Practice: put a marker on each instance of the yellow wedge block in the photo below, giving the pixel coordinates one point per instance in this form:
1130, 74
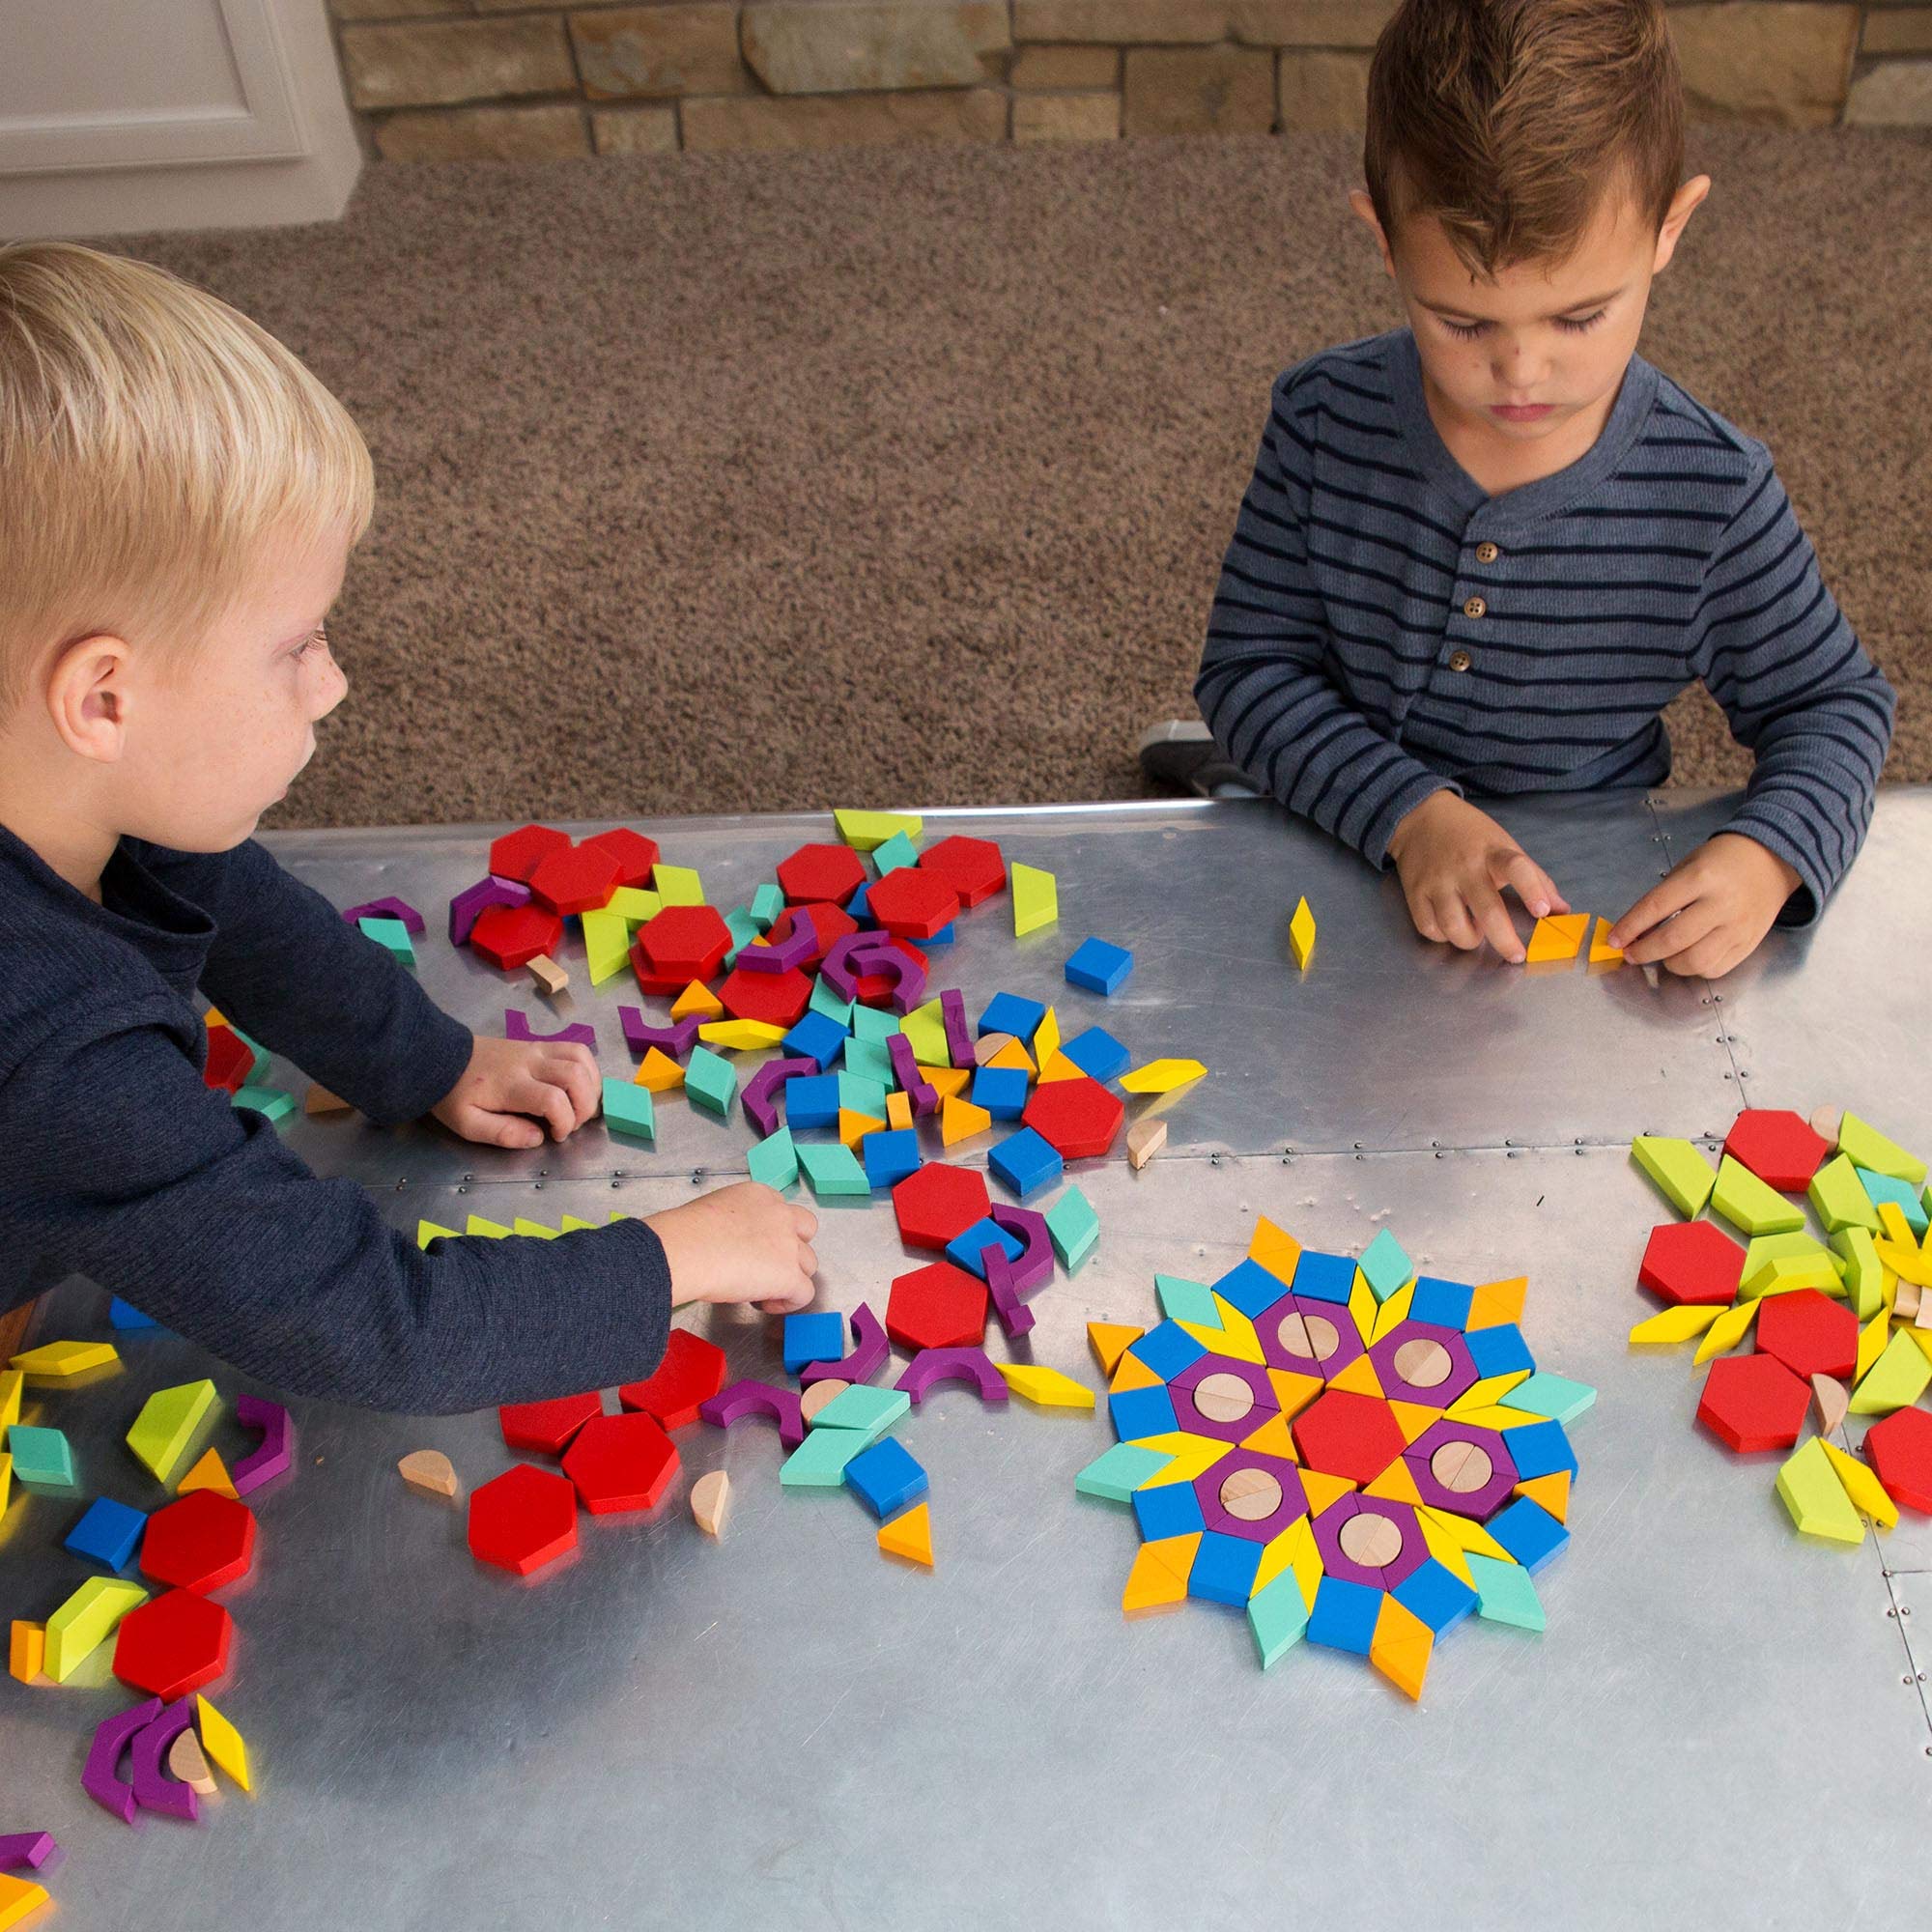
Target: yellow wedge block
1047, 1387
1193, 1457
1294, 1549
62, 1361
1470, 1535
1864, 1488
1301, 935
741, 1035
1726, 1331
1046, 1038
13, 1383
1394, 1311
1872, 1338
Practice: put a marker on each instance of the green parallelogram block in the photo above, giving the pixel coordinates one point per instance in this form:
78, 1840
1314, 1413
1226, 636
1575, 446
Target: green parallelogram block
634, 905
1036, 898
677, 885
1750, 1203
1277, 1617
1074, 1228
1864, 1272
1870, 1148
832, 1168
774, 1161
1505, 1593
86, 1621
925, 1027
1121, 1471
1839, 1197
864, 1409
711, 1080
167, 1424
1809, 1489
1679, 1169
629, 1110
867, 830
606, 945
1895, 1381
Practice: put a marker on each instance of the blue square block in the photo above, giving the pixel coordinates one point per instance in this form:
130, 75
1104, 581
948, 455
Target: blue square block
1138, 1413
1446, 1304
1345, 1615
1501, 1350
818, 1337
1224, 1569
1100, 966
1008, 1013
1097, 1054
811, 1101
966, 1247
1168, 1509
1528, 1533
891, 1154
108, 1532
1026, 1162
1324, 1277
124, 1315
885, 1477
1167, 1348
1436, 1595
1251, 1288
1001, 1090
1539, 1449
816, 1037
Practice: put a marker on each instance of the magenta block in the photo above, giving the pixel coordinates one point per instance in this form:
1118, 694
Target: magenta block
1015, 1317
517, 1026
26, 1851
471, 904
758, 1098
1034, 1264
751, 1398
391, 908
103, 1755
932, 1366
640, 1035
277, 1447
155, 1789
868, 1358
958, 1034
787, 954
920, 1090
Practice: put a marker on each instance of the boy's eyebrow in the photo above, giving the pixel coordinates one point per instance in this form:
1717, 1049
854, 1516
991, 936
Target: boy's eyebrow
1569, 308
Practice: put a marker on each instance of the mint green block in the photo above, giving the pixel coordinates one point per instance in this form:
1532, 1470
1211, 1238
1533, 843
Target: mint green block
893, 853
392, 936
272, 1102
1385, 1266
864, 1409
833, 1169
629, 1110
1277, 1617
869, 1023
1554, 1395
767, 902
711, 1080
1183, 1300
825, 1000
1121, 1471
742, 928
871, 1060
818, 1463
1074, 1229
860, 1092
1505, 1593
41, 1455
774, 1160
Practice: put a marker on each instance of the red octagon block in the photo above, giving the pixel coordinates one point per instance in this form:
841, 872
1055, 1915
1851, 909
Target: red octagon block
1692, 1261
1778, 1146
776, 997
620, 1463
175, 1645
972, 867
1342, 1434
829, 922
523, 1520
230, 1060
201, 1543
1753, 1401
578, 879
679, 944
636, 855
938, 1306
939, 1202
547, 1427
1078, 1119
832, 872
512, 936
1810, 1334
692, 1372
910, 903
517, 854
1900, 1450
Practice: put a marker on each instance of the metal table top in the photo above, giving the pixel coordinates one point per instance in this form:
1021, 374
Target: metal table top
1720, 1721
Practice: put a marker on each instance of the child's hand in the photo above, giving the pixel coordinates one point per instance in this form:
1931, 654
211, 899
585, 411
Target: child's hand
512, 1085
744, 1242
1712, 910
1453, 863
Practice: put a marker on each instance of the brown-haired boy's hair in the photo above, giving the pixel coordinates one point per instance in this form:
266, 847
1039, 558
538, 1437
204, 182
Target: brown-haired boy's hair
1508, 120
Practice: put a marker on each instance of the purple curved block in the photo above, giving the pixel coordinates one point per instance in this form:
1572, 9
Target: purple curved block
744, 1398
868, 1358
391, 908
932, 1366
836, 970
789, 952
26, 1851
1015, 1317
876, 954
760, 1107
517, 1026
110, 1740
277, 1448
920, 1090
1034, 1264
640, 1035
958, 1034
155, 1789
471, 904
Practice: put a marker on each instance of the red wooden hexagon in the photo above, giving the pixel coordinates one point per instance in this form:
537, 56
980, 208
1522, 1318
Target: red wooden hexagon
635, 854
548, 1426
1778, 1146
1079, 1119
832, 872
974, 867
512, 936
515, 854
1809, 1333
1900, 1450
1692, 1261
776, 997
938, 1201
523, 1520
620, 1463
679, 944
692, 1372
938, 1306
175, 1645
581, 878
201, 1543
829, 922
1346, 1434
912, 904
230, 1060
1753, 1403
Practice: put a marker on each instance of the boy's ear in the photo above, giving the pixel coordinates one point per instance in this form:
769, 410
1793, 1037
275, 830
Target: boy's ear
1363, 203
87, 697
1684, 204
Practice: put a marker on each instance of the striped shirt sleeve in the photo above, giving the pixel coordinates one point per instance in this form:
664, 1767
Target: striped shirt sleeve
1265, 685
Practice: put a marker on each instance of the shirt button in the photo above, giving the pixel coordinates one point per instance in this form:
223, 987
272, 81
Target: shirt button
1460, 660
1487, 552
1476, 606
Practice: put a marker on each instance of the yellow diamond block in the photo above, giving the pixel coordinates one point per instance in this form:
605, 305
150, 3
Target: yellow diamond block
1161, 1076
60, 1362
1301, 934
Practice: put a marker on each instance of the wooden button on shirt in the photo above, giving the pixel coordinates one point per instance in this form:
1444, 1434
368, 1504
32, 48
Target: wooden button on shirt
1475, 607
1487, 552
1460, 660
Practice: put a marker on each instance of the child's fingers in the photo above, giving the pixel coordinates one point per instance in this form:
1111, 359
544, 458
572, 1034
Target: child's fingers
1671, 894
504, 1130
576, 1072
548, 1102
1421, 916
1493, 920
1452, 917
1534, 886
1671, 941
808, 1260
805, 1223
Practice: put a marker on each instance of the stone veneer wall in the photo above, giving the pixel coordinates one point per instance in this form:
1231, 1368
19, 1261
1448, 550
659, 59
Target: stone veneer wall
518, 79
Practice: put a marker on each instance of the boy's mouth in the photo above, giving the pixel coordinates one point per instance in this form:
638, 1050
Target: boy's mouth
1521, 411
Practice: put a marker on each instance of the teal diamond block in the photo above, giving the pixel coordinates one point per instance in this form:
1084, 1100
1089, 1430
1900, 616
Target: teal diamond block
859, 1093
742, 928
41, 1455
1554, 1395
825, 1000
629, 1110
869, 1061
774, 1161
833, 1169
767, 902
869, 1023
1385, 1266
1278, 1617
1121, 1471
711, 1080
1505, 1593
1183, 1300
818, 1463
1074, 1228
891, 853
273, 1103
392, 936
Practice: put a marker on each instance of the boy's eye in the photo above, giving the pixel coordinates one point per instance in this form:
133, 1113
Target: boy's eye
317, 640
1576, 324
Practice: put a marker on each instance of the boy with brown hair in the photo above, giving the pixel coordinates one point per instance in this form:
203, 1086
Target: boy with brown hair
1483, 552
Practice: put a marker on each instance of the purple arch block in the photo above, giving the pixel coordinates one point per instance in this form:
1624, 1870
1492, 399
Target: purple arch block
790, 953
751, 1398
762, 1107
640, 1035
1015, 1317
932, 1366
154, 1789
26, 1851
835, 968
1033, 1266
868, 1358
517, 1026
391, 908
277, 1448
881, 956
958, 1034
110, 1740
920, 1090
471, 904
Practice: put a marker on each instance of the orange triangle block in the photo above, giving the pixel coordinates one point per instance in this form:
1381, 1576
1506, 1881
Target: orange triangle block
1293, 1391
1272, 1439
1400, 1647
960, 1120
854, 1127
659, 1072
909, 1536
1498, 1302
1013, 1053
1059, 1067
1132, 1373
1395, 1483
1359, 1378
1153, 1586
1552, 1492
1413, 1418
1109, 1342
1322, 1489
946, 1081
1558, 937
697, 998
210, 1473
1175, 1554
1275, 1249
1602, 951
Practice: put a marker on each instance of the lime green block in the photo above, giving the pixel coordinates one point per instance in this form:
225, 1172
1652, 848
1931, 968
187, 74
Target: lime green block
490, 1230
1784, 1274
1864, 1272
678, 884
534, 1229
1748, 1203
167, 1424
428, 1232
634, 905
866, 831
925, 1027
1678, 1168
606, 945
833, 1169
86, 1621
1839, 1197
1277, 1617
1869, 1149
1895, 1381
774, 1161
1504, 1592
818, 1463
1813, 1493
40, 1456
1036, 898
711, 1080
767, 902
893, 854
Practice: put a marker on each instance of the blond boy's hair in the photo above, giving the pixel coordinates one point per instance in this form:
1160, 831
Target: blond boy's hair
153, 445
1508, 121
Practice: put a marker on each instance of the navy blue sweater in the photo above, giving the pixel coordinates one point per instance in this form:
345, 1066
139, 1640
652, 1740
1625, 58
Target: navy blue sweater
118, 1162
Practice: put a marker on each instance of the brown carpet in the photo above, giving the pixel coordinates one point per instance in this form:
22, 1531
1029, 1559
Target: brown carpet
717, 483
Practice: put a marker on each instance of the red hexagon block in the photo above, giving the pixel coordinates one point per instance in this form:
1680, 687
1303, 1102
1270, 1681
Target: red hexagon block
776, 997
938, 1306
1342, 1434
581, 878
201, 1543
692, 1372
939, 1202
1810, 1334
512, 936
1079, 1119
620, 1463
1692, 1261
679, 944
1753, 1403
548, 1426
1778, 1146
175, 1645
517, 854
635, 854
973, 868
523, 1520
832, 872
913, 905
1900, 1450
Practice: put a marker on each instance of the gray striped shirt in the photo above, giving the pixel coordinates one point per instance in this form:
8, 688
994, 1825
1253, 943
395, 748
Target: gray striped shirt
1362, 652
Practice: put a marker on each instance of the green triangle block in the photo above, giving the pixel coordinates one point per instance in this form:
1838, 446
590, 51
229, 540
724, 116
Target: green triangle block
40, 1456
167, 1421
428, 1232
711, 1080
535, 1230
86, 1621
767, 902
1864, 1272
825, 1000
1036, 898
1748, 1203
1678, 1168
1895, 1381
677, 885
867, 831
1121, 1471
606, 945
1816, 1499
489, 1231
1868, 1148
1554, 1395
863, 1410
833, 1169
774, 1161
818, 1463
1505, 1593
1186, 1301
1384, 1267
1840, 1198
1277, 1617
889, 855
629, 1110
1074, 1228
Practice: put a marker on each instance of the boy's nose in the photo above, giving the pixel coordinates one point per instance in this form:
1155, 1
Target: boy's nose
333, 691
